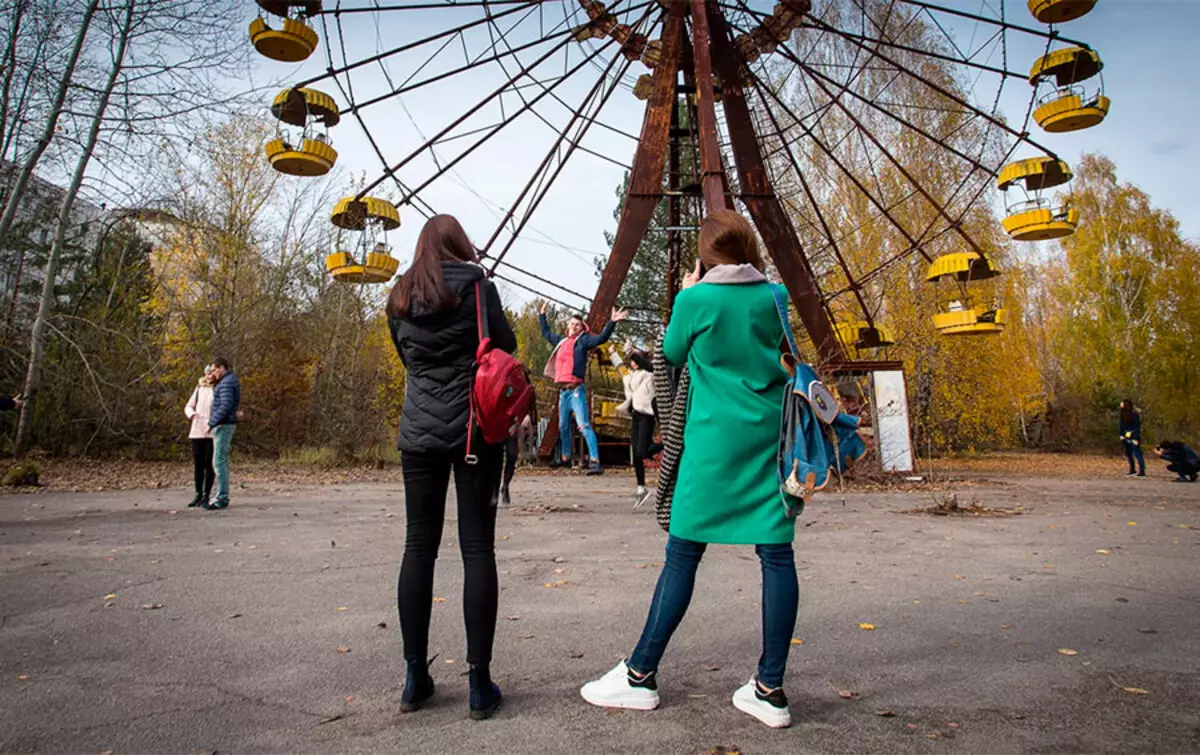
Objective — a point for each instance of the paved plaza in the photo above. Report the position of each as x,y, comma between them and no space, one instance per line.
132,624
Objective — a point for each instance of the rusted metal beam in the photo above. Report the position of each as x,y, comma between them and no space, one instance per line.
712,181
674,214
645,187
760,199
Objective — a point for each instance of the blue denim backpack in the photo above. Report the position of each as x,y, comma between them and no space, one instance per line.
815,437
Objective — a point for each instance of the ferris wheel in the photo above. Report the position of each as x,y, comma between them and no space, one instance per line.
857,134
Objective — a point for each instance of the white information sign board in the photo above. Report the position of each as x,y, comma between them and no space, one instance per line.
891,421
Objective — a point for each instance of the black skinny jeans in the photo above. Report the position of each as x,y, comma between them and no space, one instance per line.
426,480
202,465
644,447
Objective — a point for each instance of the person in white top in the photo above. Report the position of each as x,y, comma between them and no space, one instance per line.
639,406
197,410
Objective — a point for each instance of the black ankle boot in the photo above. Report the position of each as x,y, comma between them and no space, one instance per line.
197,501
418,687
485,695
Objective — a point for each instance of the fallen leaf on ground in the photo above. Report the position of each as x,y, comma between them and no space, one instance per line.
574,655
528,636
866,627
1068,651
22,677
381,625
885,713
1131,524
343,649
235,616
712,668
559,571
349,698
342,608
1136,690
1006,626
111,596
439,600
512,618
797,641
331,719
151,606
959,577
1102,551
1148,630
555,583
846,694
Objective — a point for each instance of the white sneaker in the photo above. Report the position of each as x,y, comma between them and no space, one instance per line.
641,496
617,689
771,709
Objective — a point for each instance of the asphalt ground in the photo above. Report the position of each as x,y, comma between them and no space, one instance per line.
131,624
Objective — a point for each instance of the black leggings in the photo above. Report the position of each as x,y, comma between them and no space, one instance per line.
202,465
511,453
644,446
426,480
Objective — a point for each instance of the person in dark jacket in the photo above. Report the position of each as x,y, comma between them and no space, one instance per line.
1131,437
431,313
222,421
567,367
1181,460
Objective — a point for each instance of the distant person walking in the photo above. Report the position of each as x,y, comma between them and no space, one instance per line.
222,421
1131,438
567,367
725,328
639,407
432,316
198,409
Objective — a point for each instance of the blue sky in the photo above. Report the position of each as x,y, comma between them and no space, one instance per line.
1147,46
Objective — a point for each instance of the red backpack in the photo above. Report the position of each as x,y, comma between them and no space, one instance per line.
502,395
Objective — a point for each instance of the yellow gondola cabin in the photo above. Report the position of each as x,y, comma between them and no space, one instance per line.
310,151
294,40
1069,106
1037,218
371,218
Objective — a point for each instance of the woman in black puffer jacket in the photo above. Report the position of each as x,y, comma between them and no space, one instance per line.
431,313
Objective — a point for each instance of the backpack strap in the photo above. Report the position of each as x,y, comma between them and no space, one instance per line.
481,327
791,356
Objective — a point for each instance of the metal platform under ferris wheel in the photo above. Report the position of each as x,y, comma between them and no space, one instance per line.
710,56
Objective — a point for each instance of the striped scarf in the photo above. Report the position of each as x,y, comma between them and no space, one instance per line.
672,414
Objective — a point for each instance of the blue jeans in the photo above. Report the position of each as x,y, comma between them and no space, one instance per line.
780,602
1135,451
222,438
574,401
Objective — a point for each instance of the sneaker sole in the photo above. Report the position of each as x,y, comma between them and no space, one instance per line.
639,704
751,708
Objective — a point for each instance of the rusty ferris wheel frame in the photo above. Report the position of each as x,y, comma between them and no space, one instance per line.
734,154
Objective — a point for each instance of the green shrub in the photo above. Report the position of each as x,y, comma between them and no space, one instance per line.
22,473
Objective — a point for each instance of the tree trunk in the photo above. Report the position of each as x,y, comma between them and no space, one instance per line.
43,142
37,338
9,68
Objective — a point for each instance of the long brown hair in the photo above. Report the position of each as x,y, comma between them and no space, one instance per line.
423,285
726,238
1127,411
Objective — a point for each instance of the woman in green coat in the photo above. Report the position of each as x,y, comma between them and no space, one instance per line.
726,329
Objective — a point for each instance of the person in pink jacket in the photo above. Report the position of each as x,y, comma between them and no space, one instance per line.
197,410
